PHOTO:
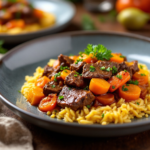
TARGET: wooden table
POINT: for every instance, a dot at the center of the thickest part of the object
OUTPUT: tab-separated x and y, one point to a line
48	140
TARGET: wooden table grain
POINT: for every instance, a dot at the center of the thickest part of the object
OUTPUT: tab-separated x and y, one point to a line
48	140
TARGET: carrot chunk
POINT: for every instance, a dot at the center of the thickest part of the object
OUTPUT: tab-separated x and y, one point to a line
120	79
106	99
141	76
74	57
99	86
42	81
15	23
35	95
48	103
65	73
116	58
87	58
130	92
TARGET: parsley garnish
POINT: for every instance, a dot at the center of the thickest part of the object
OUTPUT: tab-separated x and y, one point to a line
57	75
141	66
19	91
127	84
114	70
119	76
53	86
122	56
113	87
124	88
103	115
98	51
69	88
63	68
125	70
75	75
102	68
66	71
137	103
142	74
60	97
78	60
134	82
108	69
88	106
86	88
92	68
2	50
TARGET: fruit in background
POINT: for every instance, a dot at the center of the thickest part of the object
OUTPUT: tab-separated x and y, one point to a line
144	5
133	18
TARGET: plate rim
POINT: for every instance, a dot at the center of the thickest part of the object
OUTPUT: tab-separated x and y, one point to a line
71	5
54	121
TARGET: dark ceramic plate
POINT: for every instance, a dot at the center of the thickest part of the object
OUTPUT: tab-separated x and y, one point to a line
23	60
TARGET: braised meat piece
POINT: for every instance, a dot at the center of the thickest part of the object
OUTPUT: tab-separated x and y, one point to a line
65	60
74	98
52	87
48	71
77	67
75	79
102	69
143	90
131	69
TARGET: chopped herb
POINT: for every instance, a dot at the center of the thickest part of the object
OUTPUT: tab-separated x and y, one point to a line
137	103
19	91
103	115
78	60
69	88
108	69
71	55
2	50
142	74
127	84
57	75
86	88
66	71
134	82
53	86
103	68
98	51
63	68
114	70
141	66
113	87
75	75
88	106
87	23
12	1
119	76
60	97
124	88
125	70
92	68
122	56
80	53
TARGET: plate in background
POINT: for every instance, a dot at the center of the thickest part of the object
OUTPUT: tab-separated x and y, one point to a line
64	12
24	59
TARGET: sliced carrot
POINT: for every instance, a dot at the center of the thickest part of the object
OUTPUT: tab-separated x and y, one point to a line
74	57
35	95
15	23
42	81
65	73
56	64
141	76
52	78
38	13
99	86
120	79
116	58
129	63
88	58
130	92
48	103
106	99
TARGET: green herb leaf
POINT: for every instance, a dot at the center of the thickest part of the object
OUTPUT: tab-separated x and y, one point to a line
69	88
113	87
78	60
119	76
114	70
127	84
125	70
141	66
19	91
102	68
75	75
124	88
142	74
86	88
63	68
137	103
134	82
57	75
103	115
60	97
122	56
53	86
88	106
71	55
108	69
2	50
92	68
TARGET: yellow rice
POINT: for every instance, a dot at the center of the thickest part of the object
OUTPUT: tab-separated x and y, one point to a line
120	112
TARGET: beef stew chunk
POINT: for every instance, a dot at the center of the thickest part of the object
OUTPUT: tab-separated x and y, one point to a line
77	67
102	69
75	79
65	60
52	87
48	71
74	98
